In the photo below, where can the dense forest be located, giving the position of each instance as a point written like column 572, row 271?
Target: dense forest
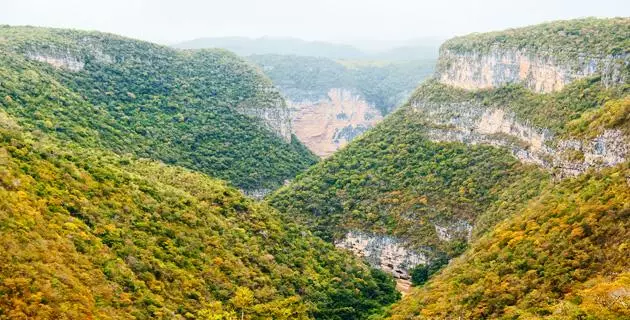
column 135, row 97
column 86, row 233
column 564, row 256
column 393, row 180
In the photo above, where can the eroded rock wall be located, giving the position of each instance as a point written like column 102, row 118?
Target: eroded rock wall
column 469, row 122
column 330, row 123
column 384, row 252
column 538, row 71
column 273, row 112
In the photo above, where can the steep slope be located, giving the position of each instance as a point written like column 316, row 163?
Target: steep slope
column 206, row 110
column 544, row 58
column 333, row 102
column 566, row 256
column 88, row 234
column 444, row 169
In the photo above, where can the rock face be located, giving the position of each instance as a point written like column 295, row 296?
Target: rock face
column 329, row 124
column 63, row 61
column 273, row 113
column 384, row 252
column 538, row 71
column 471, row 123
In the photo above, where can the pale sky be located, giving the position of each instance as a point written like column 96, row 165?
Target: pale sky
column 170, row 21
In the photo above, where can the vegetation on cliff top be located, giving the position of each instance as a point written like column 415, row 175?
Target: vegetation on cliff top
column 152, row 101
column 90, row 234
column 565, row 256
column 560, row 39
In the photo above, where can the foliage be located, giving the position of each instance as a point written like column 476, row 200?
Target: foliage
column 614, row 114
column 562, row 40
column 384, row 85
column 421, row 273
column 565, row 256
column 179, row 107
column 393, row 180
column 91, row 234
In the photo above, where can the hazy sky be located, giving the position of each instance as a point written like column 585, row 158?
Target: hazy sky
column 168, row 21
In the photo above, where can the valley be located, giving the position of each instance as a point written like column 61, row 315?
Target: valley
column 306, row 180
column 333, row 102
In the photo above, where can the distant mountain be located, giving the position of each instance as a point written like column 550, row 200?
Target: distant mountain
column 403, row 51
column 408, row 53
column 247, row 46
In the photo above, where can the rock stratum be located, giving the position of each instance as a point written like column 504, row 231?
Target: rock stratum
column 326, row 125
column 538, row 71
column 544, row 58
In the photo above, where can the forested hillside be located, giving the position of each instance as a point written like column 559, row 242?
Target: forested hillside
column 89, row 234
column 206, row 110
column 564, row 256
column 393, row 180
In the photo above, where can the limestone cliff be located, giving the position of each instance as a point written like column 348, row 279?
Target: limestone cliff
column 330, row 123
column 544, row 58
column 538, row 71
column 384, row 252
column 271, row 109
column 470, row 122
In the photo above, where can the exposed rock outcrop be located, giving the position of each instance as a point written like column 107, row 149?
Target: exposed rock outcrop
column 329, row 124
column 272, row 111
column 459, row 230
column 63, row 61
column 538, row 71
column 384, row 252
column 471, row 123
